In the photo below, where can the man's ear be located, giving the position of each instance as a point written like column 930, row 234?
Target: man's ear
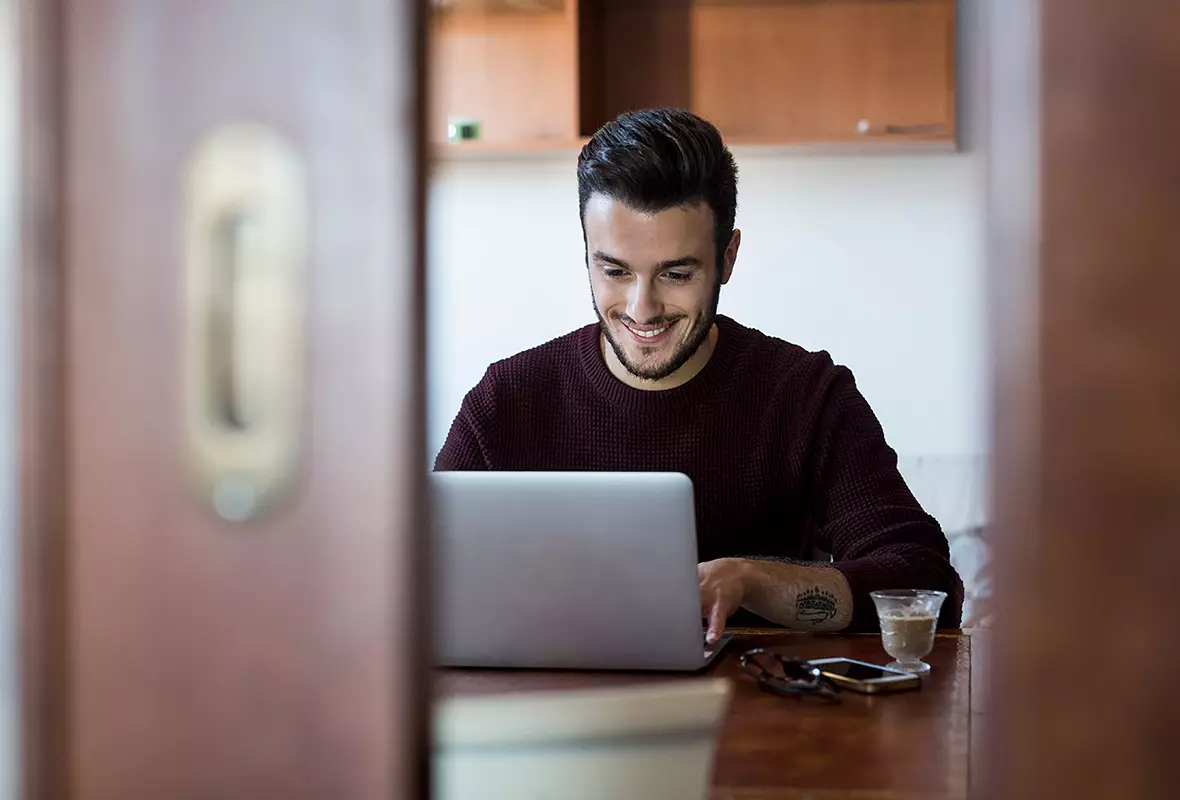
column 729, row 258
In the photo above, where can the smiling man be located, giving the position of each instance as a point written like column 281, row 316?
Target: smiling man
column 783, row 451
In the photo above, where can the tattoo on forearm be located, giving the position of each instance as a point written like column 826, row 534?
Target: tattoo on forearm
column 802, row 596
column 815, row 606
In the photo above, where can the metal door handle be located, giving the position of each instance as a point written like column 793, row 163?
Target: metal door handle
column 244, row 323
column 224, row 327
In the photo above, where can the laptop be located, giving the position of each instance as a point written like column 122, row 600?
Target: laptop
column 567, row 570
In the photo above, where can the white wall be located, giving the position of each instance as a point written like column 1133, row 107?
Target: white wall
column 875, row 259
column 878, row 260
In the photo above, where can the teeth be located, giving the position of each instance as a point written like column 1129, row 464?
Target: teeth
column 648, row 334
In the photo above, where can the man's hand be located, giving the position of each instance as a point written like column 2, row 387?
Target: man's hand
column 799, row 596
column 723, row 589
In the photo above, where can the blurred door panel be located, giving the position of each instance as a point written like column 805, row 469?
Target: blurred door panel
column 224, row 384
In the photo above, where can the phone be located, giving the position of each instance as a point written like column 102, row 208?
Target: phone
column 860, row 676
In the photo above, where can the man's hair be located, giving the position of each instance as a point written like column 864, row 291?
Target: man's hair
column 659, row 158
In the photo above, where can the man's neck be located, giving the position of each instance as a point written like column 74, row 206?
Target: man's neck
column 686, row 373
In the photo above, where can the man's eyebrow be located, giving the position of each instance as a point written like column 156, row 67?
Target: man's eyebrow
column 683, row 261
column 608, row 259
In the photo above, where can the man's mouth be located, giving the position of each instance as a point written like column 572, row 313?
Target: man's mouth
column 648, row 334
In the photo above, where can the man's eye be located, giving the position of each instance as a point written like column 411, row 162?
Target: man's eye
column 614, row 272
column 677, row 277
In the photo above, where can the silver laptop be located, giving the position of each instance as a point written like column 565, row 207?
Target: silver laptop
column 578, row 570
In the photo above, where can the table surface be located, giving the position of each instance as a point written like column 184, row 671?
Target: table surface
column 915, row 744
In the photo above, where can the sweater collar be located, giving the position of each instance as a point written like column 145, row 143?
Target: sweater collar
column 688, row 394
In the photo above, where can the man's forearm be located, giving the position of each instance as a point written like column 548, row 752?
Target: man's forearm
column 800, row 596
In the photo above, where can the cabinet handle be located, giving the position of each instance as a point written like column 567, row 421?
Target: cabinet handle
column 244, row 327
column 864, row 128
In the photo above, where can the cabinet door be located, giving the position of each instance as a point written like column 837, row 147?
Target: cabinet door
column 188, row 639
column 509, row 67
column 824, row 72
column 777, row 71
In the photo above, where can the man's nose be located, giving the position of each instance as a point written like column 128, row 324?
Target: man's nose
column 643, row 302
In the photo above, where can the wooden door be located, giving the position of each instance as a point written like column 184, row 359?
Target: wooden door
column 172, row 651
column 1086, row 275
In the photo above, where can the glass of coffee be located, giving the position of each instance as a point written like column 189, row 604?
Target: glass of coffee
column 908, row 619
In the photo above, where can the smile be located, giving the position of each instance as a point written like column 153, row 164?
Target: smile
column 651, row 336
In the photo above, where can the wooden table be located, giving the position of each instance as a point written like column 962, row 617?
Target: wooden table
column 915, row 745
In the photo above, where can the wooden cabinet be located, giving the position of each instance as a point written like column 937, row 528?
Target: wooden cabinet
column 833, row 71
column 545, row 73
column 511, row 67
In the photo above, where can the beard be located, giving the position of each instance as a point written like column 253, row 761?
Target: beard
column 685, row 349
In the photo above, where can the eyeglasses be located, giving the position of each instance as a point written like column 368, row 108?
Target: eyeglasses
column 789, row 677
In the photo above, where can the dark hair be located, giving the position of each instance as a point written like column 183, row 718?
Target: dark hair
column 659, row 158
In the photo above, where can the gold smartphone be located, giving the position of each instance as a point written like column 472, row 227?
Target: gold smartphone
column 861, row 676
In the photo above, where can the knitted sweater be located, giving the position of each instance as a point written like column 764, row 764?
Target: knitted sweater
column 777, row 440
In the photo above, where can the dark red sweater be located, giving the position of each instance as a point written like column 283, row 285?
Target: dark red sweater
column 777, row 441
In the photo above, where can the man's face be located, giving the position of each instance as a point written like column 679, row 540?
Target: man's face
column 655, row 281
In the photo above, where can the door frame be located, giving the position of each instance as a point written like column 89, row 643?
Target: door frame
column 41, row 406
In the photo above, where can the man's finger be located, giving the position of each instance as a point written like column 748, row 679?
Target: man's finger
column 716, row 622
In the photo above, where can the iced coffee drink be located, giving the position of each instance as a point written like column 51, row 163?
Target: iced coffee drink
column 908, row 619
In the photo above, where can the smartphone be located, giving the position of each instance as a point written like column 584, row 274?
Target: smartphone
column 860, row 676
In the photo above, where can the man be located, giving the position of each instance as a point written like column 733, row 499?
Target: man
column 777, row 440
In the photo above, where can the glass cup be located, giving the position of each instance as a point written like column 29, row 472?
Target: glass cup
column 908, row 620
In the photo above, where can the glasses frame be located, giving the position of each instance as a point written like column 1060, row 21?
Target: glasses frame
column 809, row 683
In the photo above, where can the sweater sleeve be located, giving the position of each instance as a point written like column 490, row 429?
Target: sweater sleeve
column 468, row 442
column 878, row 534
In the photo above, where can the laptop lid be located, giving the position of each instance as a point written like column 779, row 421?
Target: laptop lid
column 584, row 570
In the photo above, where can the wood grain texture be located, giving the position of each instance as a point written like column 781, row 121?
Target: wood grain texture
column 516, row 73
column 765, row 71
column 779, row 72
column 633, row 56
column 913, row 744
column 981, row 658
column 279, row 658
column 1087, row 271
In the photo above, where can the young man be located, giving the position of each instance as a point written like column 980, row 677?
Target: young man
column 777, row 440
